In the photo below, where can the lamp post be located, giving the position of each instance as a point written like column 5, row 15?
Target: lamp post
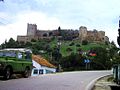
column 59, row 44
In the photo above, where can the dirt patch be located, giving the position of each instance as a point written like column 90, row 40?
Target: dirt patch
column 104, row 83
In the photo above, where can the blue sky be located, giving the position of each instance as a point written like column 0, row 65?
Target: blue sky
column 49, row 14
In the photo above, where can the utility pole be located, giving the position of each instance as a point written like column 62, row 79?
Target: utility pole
column 1, row 0
column 118, row 38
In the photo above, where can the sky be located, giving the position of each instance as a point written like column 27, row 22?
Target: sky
column 50, row 14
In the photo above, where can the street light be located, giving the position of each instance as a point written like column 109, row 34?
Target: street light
column 59, row 66
column 59, row 44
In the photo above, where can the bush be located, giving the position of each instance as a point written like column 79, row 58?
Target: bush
column 77, row 45
column 84, row 42
column 33, row 40
column 68, row 49
column 71, row 44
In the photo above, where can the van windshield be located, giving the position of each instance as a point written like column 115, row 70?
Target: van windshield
column 7, row 54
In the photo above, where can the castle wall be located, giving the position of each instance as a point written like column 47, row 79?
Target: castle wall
column 23, row 39
column 91, row 36
column 82, row 33
column 41, row 33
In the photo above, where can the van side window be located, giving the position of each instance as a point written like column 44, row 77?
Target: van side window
column 28, row 55
column 10, row 54
column 1, row 54
column 19, row 55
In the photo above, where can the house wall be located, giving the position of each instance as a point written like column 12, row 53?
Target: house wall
column 48, row 69
column 41, row 69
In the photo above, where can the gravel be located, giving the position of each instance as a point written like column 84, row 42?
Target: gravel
column 104, row 83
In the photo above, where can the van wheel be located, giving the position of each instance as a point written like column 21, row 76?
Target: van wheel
column 7, row 73
column 26, row 73
column 118, row 82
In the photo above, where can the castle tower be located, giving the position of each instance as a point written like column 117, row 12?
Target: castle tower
column 31, row 29
column 82, row 33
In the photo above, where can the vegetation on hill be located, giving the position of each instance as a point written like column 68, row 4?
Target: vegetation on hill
column 71, row 55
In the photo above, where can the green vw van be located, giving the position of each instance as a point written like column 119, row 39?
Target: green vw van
column 15, row 61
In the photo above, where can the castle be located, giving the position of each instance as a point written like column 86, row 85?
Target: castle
column 92, row 36
column 34, row 33
column 81, row 34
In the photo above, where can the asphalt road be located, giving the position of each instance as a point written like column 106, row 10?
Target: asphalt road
column 80, row 80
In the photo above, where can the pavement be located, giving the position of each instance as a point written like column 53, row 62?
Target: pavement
column 77, row 80
column 106, row 83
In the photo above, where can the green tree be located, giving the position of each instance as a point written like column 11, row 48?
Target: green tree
column 33, row 40
column 56, row 54
column 84, row 42
column 11, row 43
column 59, row 30
column 72, row 62
column 28, row 45
column 102, row 59
column 113, row 43
column 21, row 44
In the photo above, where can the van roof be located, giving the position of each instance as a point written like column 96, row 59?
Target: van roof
column 17, row 49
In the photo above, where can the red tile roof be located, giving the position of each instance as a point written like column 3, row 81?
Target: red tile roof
column 39, row 59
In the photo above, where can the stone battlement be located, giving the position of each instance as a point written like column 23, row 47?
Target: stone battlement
column 91, row 35
column 82, row 33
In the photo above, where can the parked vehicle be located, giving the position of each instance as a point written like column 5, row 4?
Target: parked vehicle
column 15, row 61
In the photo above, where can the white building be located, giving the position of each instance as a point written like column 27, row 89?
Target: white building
column 41, row 66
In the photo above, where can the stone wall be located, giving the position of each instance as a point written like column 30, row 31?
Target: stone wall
column 84, row 34
column 91, row 36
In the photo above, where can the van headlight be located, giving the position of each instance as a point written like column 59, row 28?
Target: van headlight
column 0, row 64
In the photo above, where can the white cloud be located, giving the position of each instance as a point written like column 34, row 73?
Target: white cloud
column 49, row 14
column 42, row 20
column 19, row 27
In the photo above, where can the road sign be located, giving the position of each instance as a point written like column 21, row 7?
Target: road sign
column 86, row 61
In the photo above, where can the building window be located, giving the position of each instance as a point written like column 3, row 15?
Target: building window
column 35, row 71
column 41, row 71
column 48, row 71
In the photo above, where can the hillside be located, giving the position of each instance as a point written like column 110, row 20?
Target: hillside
column 75, row 46
column 71, row 55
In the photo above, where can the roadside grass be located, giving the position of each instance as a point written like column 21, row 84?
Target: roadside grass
column 74, row 46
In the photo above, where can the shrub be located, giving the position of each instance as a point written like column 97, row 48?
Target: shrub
column 68, row 49
column 77, row 45
column 84, row 42
column 71, row 44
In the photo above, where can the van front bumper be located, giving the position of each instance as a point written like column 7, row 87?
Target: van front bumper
column 1, row 72
column 1, row 69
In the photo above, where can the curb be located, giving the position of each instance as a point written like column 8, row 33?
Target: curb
column 90, row 86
